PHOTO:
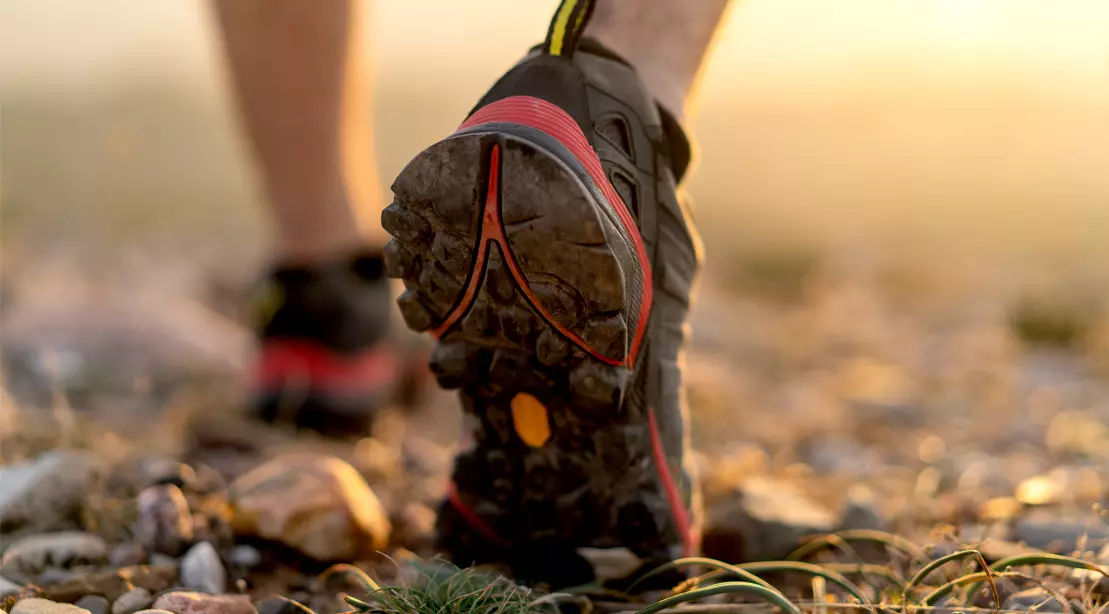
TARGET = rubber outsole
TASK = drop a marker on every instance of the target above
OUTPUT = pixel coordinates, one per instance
(511, 262)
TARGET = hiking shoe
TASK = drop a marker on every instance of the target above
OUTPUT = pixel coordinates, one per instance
(324, 362)
(544, 247)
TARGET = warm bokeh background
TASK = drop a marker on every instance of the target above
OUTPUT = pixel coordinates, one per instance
(951, 121)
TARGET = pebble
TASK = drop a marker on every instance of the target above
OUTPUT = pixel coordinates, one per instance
(1059, 531)
(127, 554)
(1034, 600)
(315, 503)
(160, 470)
(201, 569)
(93, 603)
(162, 559)
(112, 584)
(153, 612)
(61, 549)
(45, 606)
(132, 601)
(165, 524)
(46, 493)
(184, 602)
(8, 587)
(763, 519)
(244, 556)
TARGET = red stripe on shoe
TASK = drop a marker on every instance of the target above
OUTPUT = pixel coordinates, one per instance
(471, 518)
(678, 510)
(282, 362)
(492, 231)
(547, 117)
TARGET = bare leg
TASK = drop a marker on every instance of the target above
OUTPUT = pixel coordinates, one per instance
(296, 72)
(666, 41)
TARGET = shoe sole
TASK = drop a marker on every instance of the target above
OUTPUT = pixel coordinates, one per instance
(512, 258)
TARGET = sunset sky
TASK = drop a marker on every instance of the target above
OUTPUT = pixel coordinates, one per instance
(790, 43)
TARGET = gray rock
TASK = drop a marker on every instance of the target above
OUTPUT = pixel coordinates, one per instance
(201, 569)
(61, 549)
(45, 493)
(162, 559)
(45, 606)
(244, 556)
(133, 601)
(161, 470)
(1034, 600)
(183, 602)
(1059, 531)
(763, 519)
(93, 603)
(7, 587)
(165, 524)
(127, 554)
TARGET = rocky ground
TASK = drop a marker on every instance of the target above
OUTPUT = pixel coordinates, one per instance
(939, 402)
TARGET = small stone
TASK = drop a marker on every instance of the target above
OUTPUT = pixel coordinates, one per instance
(1034, 600)
(999, 508)
(763, 519)
(61, 549)
(112, 584)
(166, 471)
(127, 554)
(165, 524)
(153, 612)
(184, 602)
(132, 601)
(1060, 531)
(201, 569)
(46, 493)
(95, 604)
(45, 606)
(244, 556)
(7, 587)
(162, 559)
(317, 504)
(1040, 490)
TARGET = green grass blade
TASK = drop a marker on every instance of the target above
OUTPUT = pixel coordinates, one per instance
(928, 569)
(867, 570)
(721, 566)
(769, 594)
(931, 598)
(348, 569)
(894, 542)
(808, 569)
(1041, 558)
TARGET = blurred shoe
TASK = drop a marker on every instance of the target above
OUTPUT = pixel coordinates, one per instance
(543, 245)
(325, 362)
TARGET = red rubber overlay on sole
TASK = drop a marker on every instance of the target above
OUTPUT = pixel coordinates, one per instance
(283, 362)
(471, 518)
(492, 231)
(544, 116)
(677, 509)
